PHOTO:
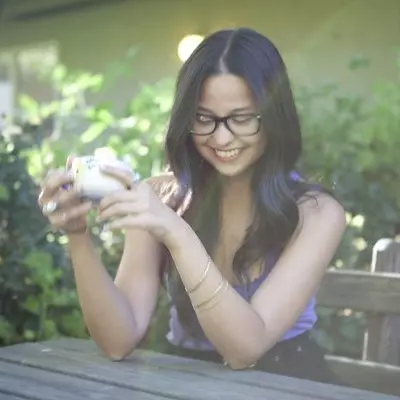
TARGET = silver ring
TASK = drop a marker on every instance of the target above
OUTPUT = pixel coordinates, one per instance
(62, 215)
(135, 177)
(135, 180)
(49, 207)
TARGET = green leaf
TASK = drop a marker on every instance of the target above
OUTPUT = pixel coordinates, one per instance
(359, 61)
(32, 304)
(29, 334)
(59, 73)
(30, 105)
(93, 132)
(38, 260)
(103, 115)
(7, 331)
(4, 193)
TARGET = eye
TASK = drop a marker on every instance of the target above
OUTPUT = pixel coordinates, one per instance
(242, 118)
(204, 119)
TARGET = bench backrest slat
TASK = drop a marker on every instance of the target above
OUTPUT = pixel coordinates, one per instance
(376, 292)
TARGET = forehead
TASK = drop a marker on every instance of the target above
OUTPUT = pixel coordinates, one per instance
(223, 93)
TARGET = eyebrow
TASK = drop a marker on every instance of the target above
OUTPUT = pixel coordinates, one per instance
(235, 110)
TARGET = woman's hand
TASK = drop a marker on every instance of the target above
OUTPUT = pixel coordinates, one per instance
(61, 204)
(138, 207)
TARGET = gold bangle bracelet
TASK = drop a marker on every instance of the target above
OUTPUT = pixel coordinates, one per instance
(225, 364)
(203, 277)
(222, 287)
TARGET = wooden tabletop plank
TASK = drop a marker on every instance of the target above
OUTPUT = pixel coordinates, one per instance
(6, 396)
(143, 377)
(37, 384)
(176, 377)
(269, 381)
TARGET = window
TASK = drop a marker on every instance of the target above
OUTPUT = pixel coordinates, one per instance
(26, 71)
(6, 86)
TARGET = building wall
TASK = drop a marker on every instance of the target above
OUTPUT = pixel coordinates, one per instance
(317, 38)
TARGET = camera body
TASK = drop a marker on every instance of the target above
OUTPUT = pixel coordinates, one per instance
(91, 182)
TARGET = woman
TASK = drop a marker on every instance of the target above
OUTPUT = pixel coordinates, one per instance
(239, 240)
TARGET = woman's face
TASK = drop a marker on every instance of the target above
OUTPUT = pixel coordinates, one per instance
(233, 147)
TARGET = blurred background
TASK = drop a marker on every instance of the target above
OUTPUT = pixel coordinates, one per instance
(82, 76)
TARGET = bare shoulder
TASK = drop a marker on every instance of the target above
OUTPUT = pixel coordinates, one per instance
(162, 183)
(321, 207)
(165, 185)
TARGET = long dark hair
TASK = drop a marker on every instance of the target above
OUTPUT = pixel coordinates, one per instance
(251, 56)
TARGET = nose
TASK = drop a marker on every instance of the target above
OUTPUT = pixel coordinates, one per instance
(222, 136)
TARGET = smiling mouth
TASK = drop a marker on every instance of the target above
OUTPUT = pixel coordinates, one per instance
(227, 155)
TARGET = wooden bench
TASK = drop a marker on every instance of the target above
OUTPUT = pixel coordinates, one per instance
(376, 293)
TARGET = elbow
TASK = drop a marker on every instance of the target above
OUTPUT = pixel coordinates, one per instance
(241, 364)
(248, 358)
(117, 347)
(120, 350)
(118, 354)
(116, 357)
(240, 361)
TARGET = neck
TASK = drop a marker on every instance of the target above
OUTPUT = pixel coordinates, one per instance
(236, 193)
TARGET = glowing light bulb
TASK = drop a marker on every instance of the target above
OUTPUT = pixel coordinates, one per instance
(187, 45)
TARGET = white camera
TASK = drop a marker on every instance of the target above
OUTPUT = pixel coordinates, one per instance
(91, 182)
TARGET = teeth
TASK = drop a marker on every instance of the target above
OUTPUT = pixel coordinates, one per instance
(227, 154)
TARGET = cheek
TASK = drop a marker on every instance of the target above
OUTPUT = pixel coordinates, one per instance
(259, 145)
(199, 143)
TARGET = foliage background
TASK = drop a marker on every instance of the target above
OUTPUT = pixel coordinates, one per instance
(350, 143)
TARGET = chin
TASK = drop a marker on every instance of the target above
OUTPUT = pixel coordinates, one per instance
(232, 172)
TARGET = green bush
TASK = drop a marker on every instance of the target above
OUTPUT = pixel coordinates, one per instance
(38, 297)
(37, 300)
(351, 143)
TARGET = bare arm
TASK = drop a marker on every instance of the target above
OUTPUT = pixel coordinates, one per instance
(117, 314)
(243, 332)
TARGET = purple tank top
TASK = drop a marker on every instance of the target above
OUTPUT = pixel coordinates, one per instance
(178, 336)
(305, 322)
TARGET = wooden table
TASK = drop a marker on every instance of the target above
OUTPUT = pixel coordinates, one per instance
(69, 369)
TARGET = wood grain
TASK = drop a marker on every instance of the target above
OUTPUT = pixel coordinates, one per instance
(170, 376)
(364, 291)
(142, 376)
(366, 374)
(382, 337)
(39, 384)
(6, 396)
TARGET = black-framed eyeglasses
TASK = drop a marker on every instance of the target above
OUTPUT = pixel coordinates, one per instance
(239, 124)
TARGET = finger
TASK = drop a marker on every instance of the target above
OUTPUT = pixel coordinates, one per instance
(62, 217)
(120, 209)
(122, 196)
(125, 176)
(43, 196)
(52, 172)
(53, 185)
(62, 200)
(66, 198)
(130, 221)
(70, 160)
